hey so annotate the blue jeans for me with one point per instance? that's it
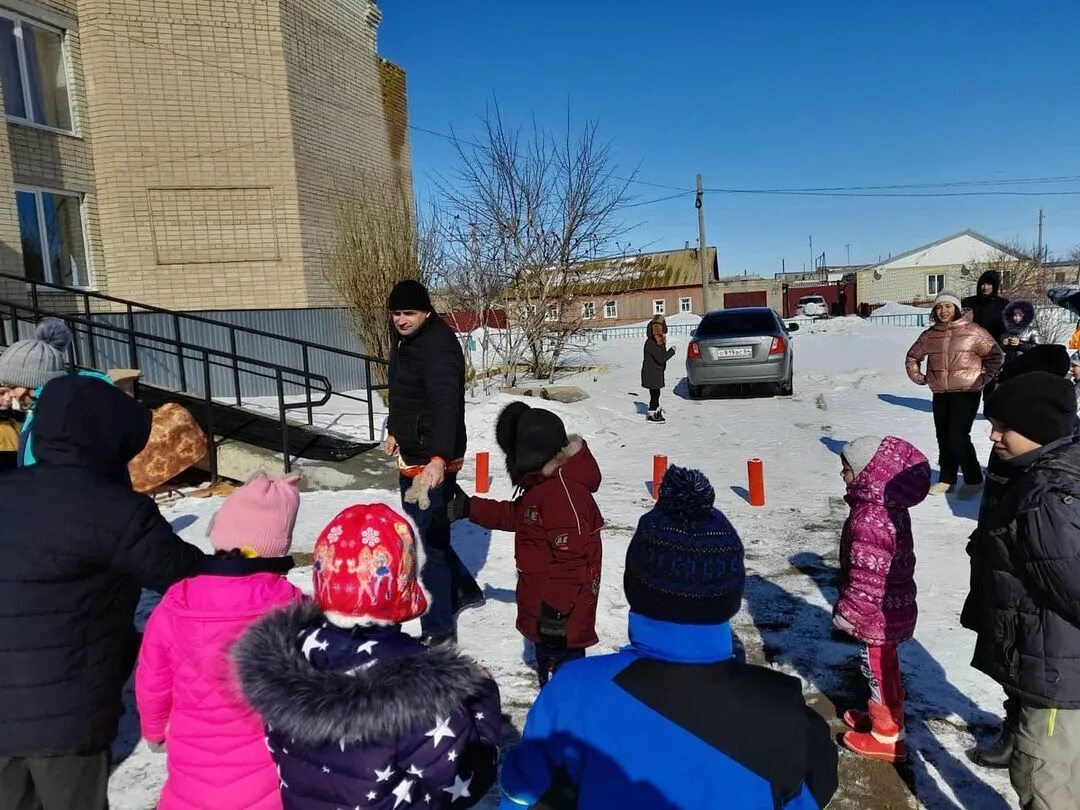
(444, 574)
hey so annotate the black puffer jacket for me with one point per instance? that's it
(986, 310)
(1027, 608)
(427, 394)
(77, 543)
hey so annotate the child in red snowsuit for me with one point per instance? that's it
(556, 525)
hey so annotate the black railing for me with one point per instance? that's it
(99, 325)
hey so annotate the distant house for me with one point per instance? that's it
(628, 289)
(731, 292)
(917, 276)
(464, 321)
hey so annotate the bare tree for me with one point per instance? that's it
(1026, 273)
(529, 211)
(378, 243)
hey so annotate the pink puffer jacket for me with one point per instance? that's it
(960, 356)
(877, 551)
(186, 690)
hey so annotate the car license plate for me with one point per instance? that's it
(733, 352)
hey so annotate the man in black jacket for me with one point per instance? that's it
(987, 307)
(426, 431)
(1029, 628)
(77, 544)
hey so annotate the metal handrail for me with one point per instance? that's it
(132, 337)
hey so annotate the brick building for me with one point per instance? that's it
(191, 154)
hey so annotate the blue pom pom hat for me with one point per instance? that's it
(685, 562)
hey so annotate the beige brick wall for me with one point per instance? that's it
(909, 284)
(224, 133)
(349, 117)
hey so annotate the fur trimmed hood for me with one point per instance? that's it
(390, 698)
(1027, 313)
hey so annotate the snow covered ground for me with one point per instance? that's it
(853, 368)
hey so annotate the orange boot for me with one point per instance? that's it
(860, 721)
(885, 740)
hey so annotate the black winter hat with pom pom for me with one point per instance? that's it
(685, 562)
(529, 437)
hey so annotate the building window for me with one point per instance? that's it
(33, 69)
(611, 309)
(588, 310)
(935, 284)
(552, 313)
(1059, 278)
(54, 249)
(659, 306)
(1006, 279)
(686, 305)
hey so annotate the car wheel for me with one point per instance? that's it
(696, 391)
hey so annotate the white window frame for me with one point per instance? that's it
(611, 309)
(686, 304)
(940, 286)
(19, 21)
(588, 310)
(659, 306)
(37, 191)
(551, 313)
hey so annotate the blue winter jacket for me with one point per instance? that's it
(672, 721)
(26, 444)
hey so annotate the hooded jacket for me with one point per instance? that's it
(427, 394)
(187, 693)
(877, 550)
(987, 310)
(557, 545)
(77, 546)
(671, 722)
(1027, 332)
(654, 362)
(1028, 621)
(960, 356)
(369, 717)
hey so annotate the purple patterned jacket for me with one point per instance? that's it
(877, 552)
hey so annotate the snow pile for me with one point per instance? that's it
(893, 308)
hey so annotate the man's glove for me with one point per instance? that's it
(457, 508)
(552, 627)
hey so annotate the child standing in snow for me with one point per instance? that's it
(187, 696)
(876, 604)
(556, 525)
(357, 712)
(657, 353)
(1021, 332)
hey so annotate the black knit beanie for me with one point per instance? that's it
(529, 437)
(409, 295)
(1038, 405)
(1049, 357)
(685, 561)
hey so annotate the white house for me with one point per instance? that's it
(953, 263)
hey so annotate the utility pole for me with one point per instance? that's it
(811, 253)
(699, 203)
(848, 246)
(1039, 247)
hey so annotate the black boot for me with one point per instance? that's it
(439, 640)
(998, 753)
(469, 597)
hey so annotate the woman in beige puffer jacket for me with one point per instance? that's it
(961, 357)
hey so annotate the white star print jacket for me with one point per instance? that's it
(368, 717)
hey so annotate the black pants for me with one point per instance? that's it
(549, 659)
(654, 399)
(55, 783)
(954, 415)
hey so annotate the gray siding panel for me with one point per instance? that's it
(103, 348)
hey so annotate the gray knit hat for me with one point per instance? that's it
(858, 453)
(32, 363)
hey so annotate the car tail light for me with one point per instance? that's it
(779, 346)
(692, 351)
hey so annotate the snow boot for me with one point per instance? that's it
(885, 740)
(998, 753)
(860, 721)
(652, 417)
(660, 415)
(940, 488)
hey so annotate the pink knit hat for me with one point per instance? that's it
(259, 516)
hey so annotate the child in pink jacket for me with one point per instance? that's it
(876, 605)
(185, 687)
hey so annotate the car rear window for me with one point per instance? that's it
(734, 322)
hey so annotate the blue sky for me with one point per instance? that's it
(781, 94)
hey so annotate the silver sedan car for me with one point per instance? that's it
(740, 347)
